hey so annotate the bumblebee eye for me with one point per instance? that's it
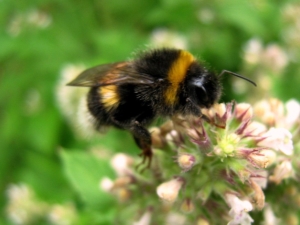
(198, 92)
(198, 85)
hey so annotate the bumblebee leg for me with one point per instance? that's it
(142, 138)
(204, 117)
(197, 112)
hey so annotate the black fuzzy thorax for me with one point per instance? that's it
(156, 63)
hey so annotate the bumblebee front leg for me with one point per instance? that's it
(142, 138)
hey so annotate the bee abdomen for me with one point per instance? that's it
(109, 96)
(97, 109)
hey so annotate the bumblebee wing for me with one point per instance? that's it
(108, 74)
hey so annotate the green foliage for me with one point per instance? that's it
(84, 172)
(38, 38)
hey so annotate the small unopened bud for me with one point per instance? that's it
(123, 194)
(269, 216)
(158, 141)
(186, 161)
(122, 181)
(168, 191)
(243, 111)
(218, 114)
(260, 178)
(220, 109)
(187, 206)
(106, 184)
(244, 175)
(145, 219)
(121, 164)
(261, 108)
(166, 127)
(282, 171)
(202, 221)
(254, 129)
(175, 218)
(262, 159)
(174, 137)
(259, 195)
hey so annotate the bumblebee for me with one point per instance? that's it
(161, 82)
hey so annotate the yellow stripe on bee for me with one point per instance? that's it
(109, 96)
(177, 74)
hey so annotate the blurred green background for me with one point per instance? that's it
(40, 39)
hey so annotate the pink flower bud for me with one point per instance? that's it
(243, 111)
(186, 161)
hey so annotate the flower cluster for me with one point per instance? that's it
(236, 164)
(73, 102)
(34, 18)
(25, 208)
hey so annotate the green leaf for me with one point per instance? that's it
(243, 15)
(84, 172)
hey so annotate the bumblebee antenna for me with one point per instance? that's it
(237, 75)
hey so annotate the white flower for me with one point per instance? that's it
(292, 112)
(255, 129)
(106, 184)
(279, 139)
(168, 191)
(39, 18)
(205, 15)
(23, 207)
(274, 57)
(121, 164)
(261, 178)
(282, 171)
(269, 217)
(253, 50)
(69, 97)
(162, 37)
(239, 210)
(145, 219)
(175, 219)
(62, 214)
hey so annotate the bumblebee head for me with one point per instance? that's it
(203, 86)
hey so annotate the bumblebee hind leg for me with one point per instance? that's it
(142, 138)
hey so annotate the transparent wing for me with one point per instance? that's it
(108, 74)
